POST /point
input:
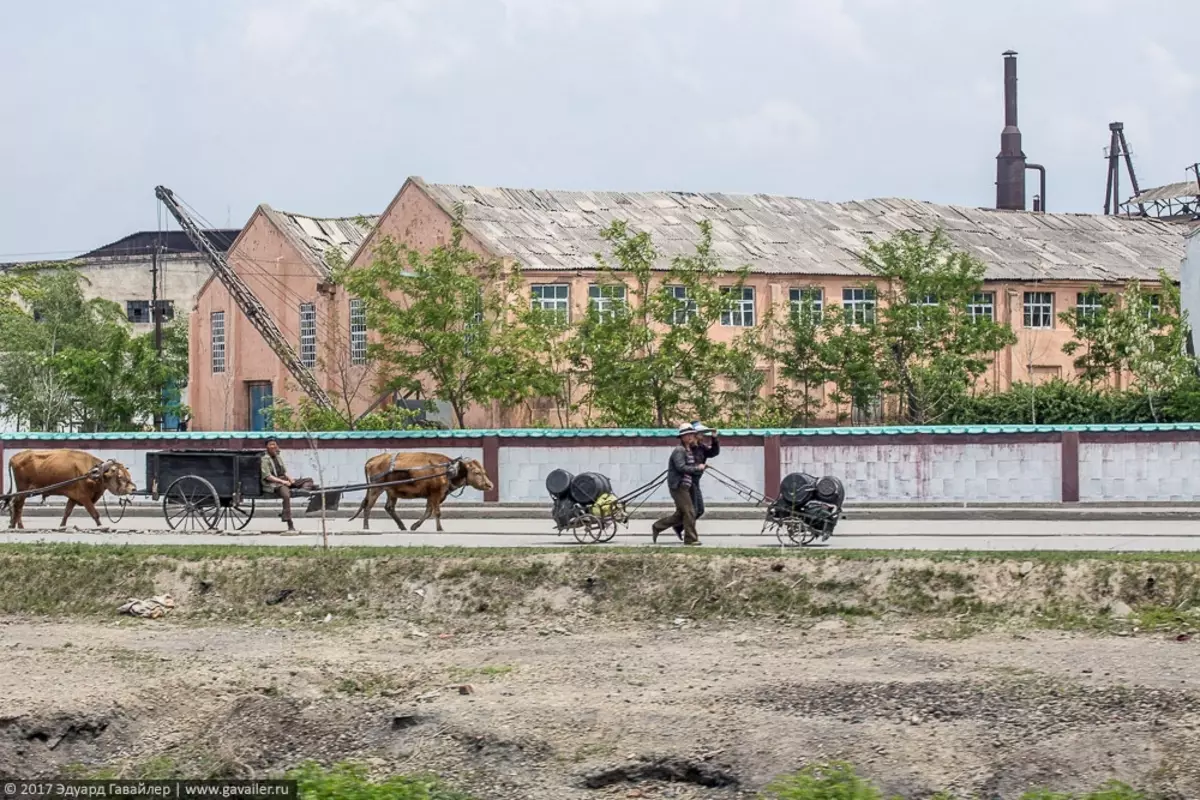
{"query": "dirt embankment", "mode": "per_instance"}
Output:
(608, 675)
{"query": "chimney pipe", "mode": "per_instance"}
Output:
(1010, 163)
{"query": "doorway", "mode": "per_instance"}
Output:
(261, 399)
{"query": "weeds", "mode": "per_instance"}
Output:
(349, 780)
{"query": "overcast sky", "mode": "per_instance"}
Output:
(325, 106)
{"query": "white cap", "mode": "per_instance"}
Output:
(686, 429)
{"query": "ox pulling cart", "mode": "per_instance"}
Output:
(211, 489)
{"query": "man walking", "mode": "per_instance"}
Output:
(275, 480)
(682, 471)
(702, 452)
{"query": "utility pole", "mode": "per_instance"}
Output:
(157, 317)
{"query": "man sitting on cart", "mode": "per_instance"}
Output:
(276, 481)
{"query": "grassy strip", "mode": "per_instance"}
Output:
(208, 552)
(833, 781)
(491, 587)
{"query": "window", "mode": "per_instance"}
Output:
(1039, 309)
(807, 304)
(137, 311)
(741, 313)
(982, 306)
(1088, 304)
(358, 332)
(217, 325)
(607, 298)
(166, 310)
(685, 310)
(553, 297)
(1153, 305)
(859, 305)
(923, 302)
(308, 334)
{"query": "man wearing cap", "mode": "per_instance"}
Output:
(682, 472)
(276, 481)
(702, 453)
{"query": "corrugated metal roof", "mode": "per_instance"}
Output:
(316, 236)
(560, 230)
(1173, 191)
(559, 433)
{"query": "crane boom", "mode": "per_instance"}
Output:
(246, 300)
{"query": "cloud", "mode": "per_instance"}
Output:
(773, 126)
(831, 25)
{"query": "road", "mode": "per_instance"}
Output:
(537, 531)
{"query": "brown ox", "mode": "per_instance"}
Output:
(34, 469)
(433, 475)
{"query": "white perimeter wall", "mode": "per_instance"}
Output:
(1139, 471)
(975, 472)
(523, 470)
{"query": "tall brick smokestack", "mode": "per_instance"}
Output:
(1010, 164)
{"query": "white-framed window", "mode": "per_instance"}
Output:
(554, 297)
(1088, 304)
(1039, 309)
(807, 304)
(358, 331)
(982, 306)
(741, 313)
(859, 306)
(216, 323)
(685, 309)
(606, 298)
(1153, 305)
(308, 334)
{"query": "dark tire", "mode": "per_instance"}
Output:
(797, 488)
(587, 487)
(830, 490)
(191, 503)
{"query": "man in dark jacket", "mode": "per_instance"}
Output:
(682, 471)
(702, 453)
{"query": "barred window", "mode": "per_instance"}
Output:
(358, 332)
(217, 326)
(685, 309)
(308, 334)
(606, 298)
(1088, 304)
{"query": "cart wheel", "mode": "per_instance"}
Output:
(606, 531)
(115, 516)
(191, 502)
(238, 516)
(585, 529)
(806, 535)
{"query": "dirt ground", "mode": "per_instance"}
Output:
(682, 710)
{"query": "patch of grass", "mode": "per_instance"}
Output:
(839, 781)
(371, 684)
(350, 780)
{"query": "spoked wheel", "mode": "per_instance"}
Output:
(606, 531)
(800, 533)
(116, 511)
(191, 503)
(238, 515)
(585, 529)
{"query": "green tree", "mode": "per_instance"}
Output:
(804, 358)
(447, 328)
(65, 359)
(648, 357)
(913, 340)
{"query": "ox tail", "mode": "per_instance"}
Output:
(366, 494)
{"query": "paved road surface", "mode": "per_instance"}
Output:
(536, 531)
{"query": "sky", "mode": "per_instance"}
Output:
(324, 107)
